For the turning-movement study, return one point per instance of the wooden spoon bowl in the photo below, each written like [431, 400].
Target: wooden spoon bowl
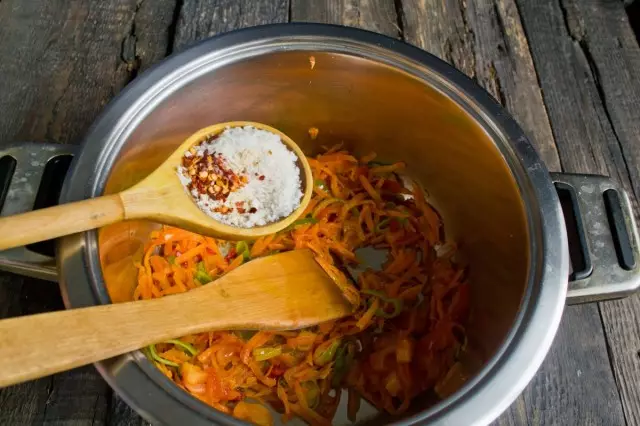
[161, 193]
[160, 197]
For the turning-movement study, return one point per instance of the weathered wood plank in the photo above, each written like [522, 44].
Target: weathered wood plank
[373, 15]
[23, 404]
[601, 70]
[598, 76]
[76, 397]
[60, 62]
[606, 41]
[563, 390]
[151, 32]
[485, 39]
[441, 28]
[120, 414]
[204, 18]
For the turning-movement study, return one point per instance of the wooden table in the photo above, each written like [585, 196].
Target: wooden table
[568, 70]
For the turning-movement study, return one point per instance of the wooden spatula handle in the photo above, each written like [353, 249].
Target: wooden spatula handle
[39, 345]
[65, 219]
[283, 291]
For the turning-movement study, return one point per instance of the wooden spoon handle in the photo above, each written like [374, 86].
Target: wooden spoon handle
[39, 345]
[65, 219]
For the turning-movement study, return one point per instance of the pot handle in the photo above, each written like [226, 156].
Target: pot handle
[31, 177]
[603, 238]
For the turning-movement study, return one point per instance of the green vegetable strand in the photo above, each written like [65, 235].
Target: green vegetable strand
[158, 358]
[344, 360]
[303, 221]
[243, 248]
[382, 224]
[323, 357]
[202, 275]
[265, 353]
[397, 303]
[245, 334]
[313, 393]
[320, 184]
[188, 348]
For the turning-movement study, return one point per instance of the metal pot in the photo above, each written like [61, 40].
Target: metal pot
[371, 93]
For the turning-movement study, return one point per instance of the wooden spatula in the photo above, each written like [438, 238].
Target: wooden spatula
[159, 197]
[284, 291]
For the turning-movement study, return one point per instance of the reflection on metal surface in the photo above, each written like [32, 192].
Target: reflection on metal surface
[370, 93]
[608, 278]
[31, 159]
[367, 105]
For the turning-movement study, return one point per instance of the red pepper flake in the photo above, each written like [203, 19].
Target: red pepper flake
[223, 210]
[253, 210]
[277, 371]
[210, 175]
[261, 177]
[231, 255]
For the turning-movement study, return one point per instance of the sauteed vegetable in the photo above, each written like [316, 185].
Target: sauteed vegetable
[403, 339]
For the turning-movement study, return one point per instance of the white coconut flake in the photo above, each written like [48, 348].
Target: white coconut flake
[273, 189]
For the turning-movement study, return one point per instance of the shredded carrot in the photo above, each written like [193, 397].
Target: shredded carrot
[387, 169]
[408, 317]
[368, 158]
[369, 188]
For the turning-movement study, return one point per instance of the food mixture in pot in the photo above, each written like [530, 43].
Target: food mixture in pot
[404, 338]
[243, 177]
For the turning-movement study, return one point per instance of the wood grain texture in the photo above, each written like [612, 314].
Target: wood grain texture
[156, 195]
[622, 326]
[65, 219]
[601, 71]
[63, 60]
[76, 398]
[373, 15]
[284, 291]
[195, 20]
[153, 198]
[120, 414]
[598, 76]
[151, 33]
[38, 38]
[574, 386]
[486, 40]
[199, 19]
[441, 28]
[60, 63]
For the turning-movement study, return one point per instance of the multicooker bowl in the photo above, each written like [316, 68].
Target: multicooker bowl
[371, 93]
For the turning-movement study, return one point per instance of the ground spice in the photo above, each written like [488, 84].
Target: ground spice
[243, 177]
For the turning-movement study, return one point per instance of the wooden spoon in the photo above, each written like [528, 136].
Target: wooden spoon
[159, 197]
[284, 291]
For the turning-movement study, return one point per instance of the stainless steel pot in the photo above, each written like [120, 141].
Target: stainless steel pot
[372, 93]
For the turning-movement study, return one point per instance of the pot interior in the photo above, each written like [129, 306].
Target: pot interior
[368, 106]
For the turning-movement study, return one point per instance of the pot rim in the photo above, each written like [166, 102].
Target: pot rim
[483, 397]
